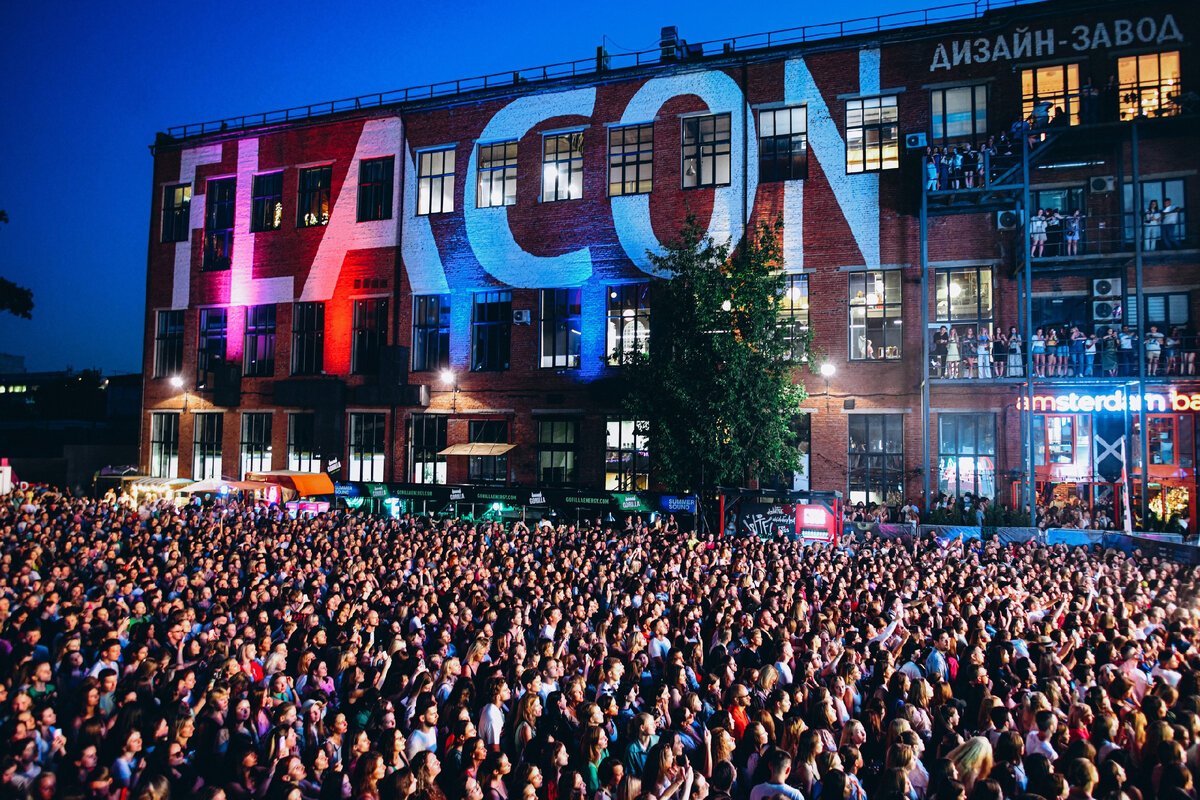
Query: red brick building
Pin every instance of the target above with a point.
(370, 289)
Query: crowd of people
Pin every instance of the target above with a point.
(231, 652)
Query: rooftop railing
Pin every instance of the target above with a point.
(604, 62)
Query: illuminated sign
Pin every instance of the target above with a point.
(1116, 401)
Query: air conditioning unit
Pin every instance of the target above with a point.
(1106, 310)
(522, 316)
(915, 141)
(668, 42)
(1102, 183)
(1008, 220)
(1104, 288)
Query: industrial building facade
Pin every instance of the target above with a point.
(439, 285)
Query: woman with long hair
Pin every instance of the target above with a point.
(368, 772)
(492, 776)
(529, 710)
(427, 768)
(973, 760)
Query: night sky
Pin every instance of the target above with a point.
(87, 85)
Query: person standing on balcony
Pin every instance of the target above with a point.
(1064, 351)
(999, 354)
(931, 170)
(969, 353)
(1038, 346)
(941, 341)
(1037, 233)
(1089, 356)
(1187, 362)
(1153, 222)
(983, 350)
(1171, 234)
(1051, 352)
(1078, 343)
(1171, 351)
(1109, 350)
(1154, 343)
(1072, 226)
(1016, 365)
(1125, 342)
(952, 353)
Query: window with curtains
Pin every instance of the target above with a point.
(959, 112)
(562, 166)
(496, 167)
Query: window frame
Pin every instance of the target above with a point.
(220, 213)
(488, 469)
(557, 440)
(487, 334)
(625, 155)
(375, 190)
(314, 196)
(176, 213)
(556, 328)
(208, 360)
(425, 465)
(442, 180)
(254, 442)
(979, 130)
(880, 127)
(501, 165)
(793, 320)
(892, 312)
(562, 169)
(713, 151)
(1068, 97)
(368, 336)
(774, 168)
(264, 217)
(258, 341)
(983, 433)
(634, 298)
(208, 434)
(887, 462)
(164, 444)
(303, 448)
(358, 457)
(168, 343)
(1163, 107)
(630, 452)
(431, 332)
(944, 276)
(308, 337)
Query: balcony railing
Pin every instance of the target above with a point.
(1069, 238)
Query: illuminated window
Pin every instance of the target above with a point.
(626, 456)
(963, 299)
(967, 454)
(368, 441)
(491, 330)
(628, 331)
(1158, 192)
(872, 134)
(1054, 440)
(303, 453)
(211, 345)
(560, 326)
(959, 113)
(207, 433)
(369, 335)
(375, 188)
(707, 151)
(258, 346)
(557, 451)
(164, 445)
(783, 144)
(562, 166)
(1161, 439)
(266, 209)
(875, 316)
(313, 209)
(256, 442)
(792, 307)
(431, 332)
(497, 175)
(218, 223)
(1057, 85)
(1149, 85)
(488, 469)
(876, 458)
(176, 217)
(168, 344)
(435, 181)
(426, 438)
(308, 338)
(630, 160)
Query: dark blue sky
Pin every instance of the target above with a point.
(87, 85)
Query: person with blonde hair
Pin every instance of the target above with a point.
(973, 760)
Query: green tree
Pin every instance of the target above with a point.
(16, 300)
(715, 388)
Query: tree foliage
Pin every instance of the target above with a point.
(715, 388)
(16, 300)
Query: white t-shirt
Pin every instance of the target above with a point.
(765, 790)
(491, 725)
(419, 741)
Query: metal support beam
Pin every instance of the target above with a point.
(1031, 482)
(925, 342)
